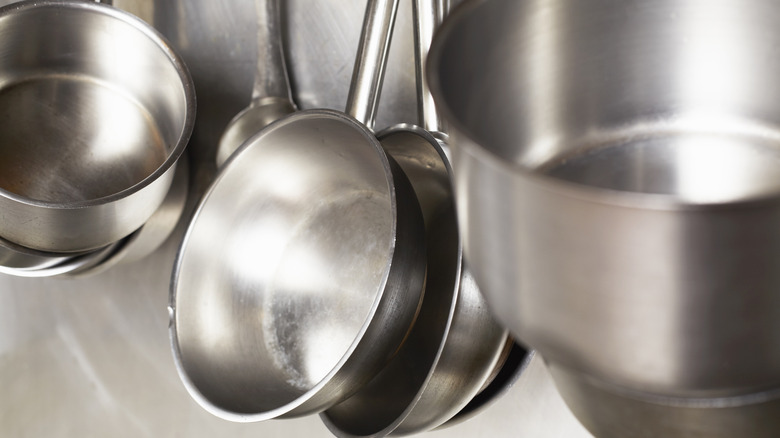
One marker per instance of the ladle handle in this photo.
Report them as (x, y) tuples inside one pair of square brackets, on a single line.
[(427, 15), (371, 59), (271, 80)]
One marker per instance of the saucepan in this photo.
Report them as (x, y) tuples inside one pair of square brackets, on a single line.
[(95, 110), (51, 265), (456, 345), (617, 171), (23, 262), (15, 257), (303, 267), (154, 232)]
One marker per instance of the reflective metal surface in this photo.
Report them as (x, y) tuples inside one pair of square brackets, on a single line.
[(368, 74), (271, 95), (455, 345), (24, 262), (95, 109), (300, 273), (70, 265), (617, 168), (17, 257), (155, 231), (91, 357), (302, 270)]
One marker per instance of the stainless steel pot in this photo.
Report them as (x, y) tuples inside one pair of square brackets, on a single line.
[(155, 231), (23, 262), (617, 168), (68, 265), (302, 269), (95, 109), (15, 257)]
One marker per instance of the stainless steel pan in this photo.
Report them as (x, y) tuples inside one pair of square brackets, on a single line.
[(302, 269), (95, 109)]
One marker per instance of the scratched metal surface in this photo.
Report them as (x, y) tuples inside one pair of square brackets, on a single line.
[(90, 357)]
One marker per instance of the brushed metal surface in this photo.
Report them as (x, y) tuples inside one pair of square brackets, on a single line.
[(91, 356)]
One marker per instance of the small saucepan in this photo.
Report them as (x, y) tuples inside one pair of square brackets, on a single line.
[(95, 110)]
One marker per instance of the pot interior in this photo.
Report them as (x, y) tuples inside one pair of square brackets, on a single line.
[(91, 104), (673, 98)]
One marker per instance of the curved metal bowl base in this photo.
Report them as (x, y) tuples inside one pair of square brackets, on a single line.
[(609, 411)]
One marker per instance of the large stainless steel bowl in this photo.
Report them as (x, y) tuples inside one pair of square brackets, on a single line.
[(95, 109), (617, 167)]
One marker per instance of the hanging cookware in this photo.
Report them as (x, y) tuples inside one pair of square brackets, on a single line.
[(95, 109), (455, 344), (302, 269), (617, 169)]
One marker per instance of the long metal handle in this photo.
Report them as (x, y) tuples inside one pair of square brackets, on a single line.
[(271, 80), (443, 8), (369, 71), (427, 15)]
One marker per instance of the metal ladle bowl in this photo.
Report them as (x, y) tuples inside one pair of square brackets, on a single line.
[(271, 94), (95, 110)]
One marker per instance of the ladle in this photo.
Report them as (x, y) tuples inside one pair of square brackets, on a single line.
[(456, 345), (271, 96), (302, 269)]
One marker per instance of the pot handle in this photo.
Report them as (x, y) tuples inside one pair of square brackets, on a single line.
[(271, 80), (371, 59), (427, 16)]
